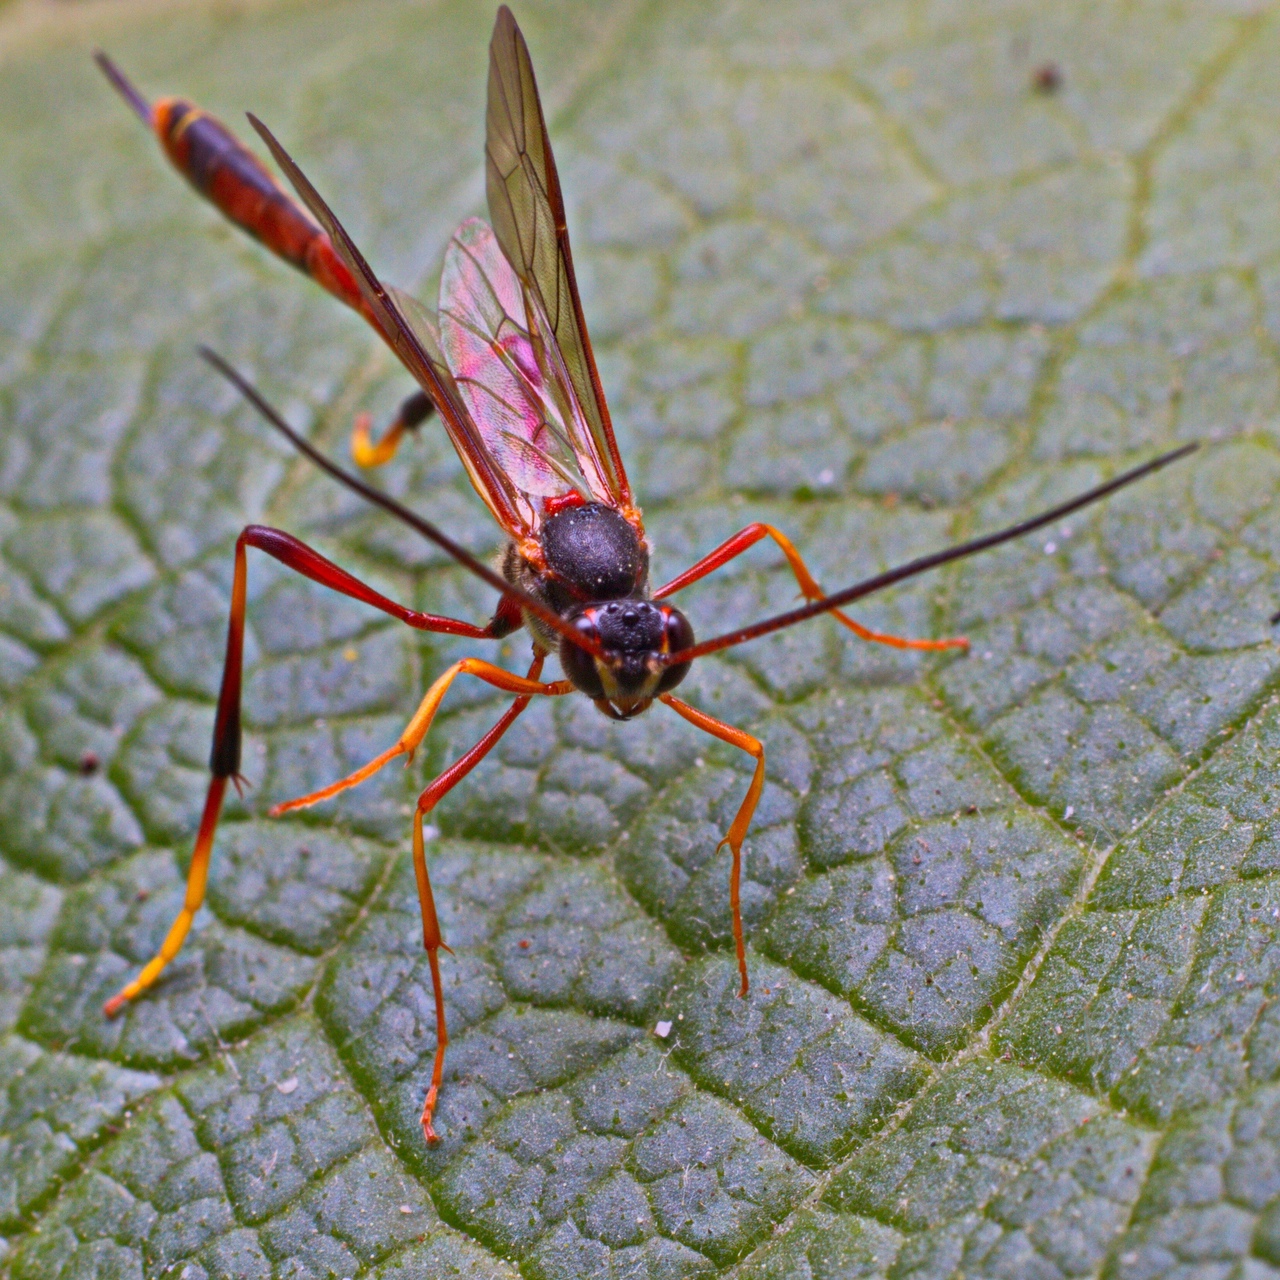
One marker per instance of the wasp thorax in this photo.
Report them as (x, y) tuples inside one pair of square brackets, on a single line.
[(635, 636), (593, 554)]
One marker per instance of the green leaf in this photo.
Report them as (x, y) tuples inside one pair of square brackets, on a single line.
[(861, 272)]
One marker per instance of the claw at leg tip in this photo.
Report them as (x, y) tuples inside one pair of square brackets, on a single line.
[(428, 1110)]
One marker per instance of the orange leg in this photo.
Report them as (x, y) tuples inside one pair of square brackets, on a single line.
[(417, 728), (415, 410), (224, 758), (752, 534), (742, 820), (197, 877), (431, 937)]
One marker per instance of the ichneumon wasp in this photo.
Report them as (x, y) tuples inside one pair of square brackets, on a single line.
[(507, 366)]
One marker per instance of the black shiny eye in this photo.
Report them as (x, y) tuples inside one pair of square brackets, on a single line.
[(679, 632), (578, 665), (679, 636)]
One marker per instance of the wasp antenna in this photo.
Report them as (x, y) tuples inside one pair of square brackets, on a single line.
[(869, 586), (124, 86), (389, 504)]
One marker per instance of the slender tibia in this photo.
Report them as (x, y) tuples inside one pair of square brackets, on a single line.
[(431, 937), (224, 756), (417, 728), (197, 877), (415, 410), (454, 774), (432, 941), (752, 534), (738, 828)]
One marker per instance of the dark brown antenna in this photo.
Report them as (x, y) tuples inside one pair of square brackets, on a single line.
[(868, 586)]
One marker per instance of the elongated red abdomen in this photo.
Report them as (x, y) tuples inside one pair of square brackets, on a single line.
[(231, 177)]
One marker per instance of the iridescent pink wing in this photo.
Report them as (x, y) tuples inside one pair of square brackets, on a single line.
[(426, 328), (527, 211), (510, 376)]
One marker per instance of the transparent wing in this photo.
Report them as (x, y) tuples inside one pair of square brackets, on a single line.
[(527, 210), (509, 376), (473, 444)]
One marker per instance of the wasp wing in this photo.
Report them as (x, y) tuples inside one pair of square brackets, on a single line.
[(408, 329), (527, 210), (425, 327), (493, 336)]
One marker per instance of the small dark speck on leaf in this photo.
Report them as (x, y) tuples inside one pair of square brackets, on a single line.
[(524, 944), (142, 895), (89, 764), (1047, 78)]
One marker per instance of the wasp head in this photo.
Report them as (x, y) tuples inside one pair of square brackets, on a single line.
[(636, 636)]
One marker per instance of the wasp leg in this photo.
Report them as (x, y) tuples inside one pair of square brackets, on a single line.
[(431, 937), (417, 728), (224, 758), (738, 828), (752, 534), (415, 410), (197, 877)]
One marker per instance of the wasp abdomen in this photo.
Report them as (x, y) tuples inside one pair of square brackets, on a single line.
[(233, 179)]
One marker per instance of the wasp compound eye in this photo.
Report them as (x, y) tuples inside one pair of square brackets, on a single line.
[(578, 665), (679, 636)]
